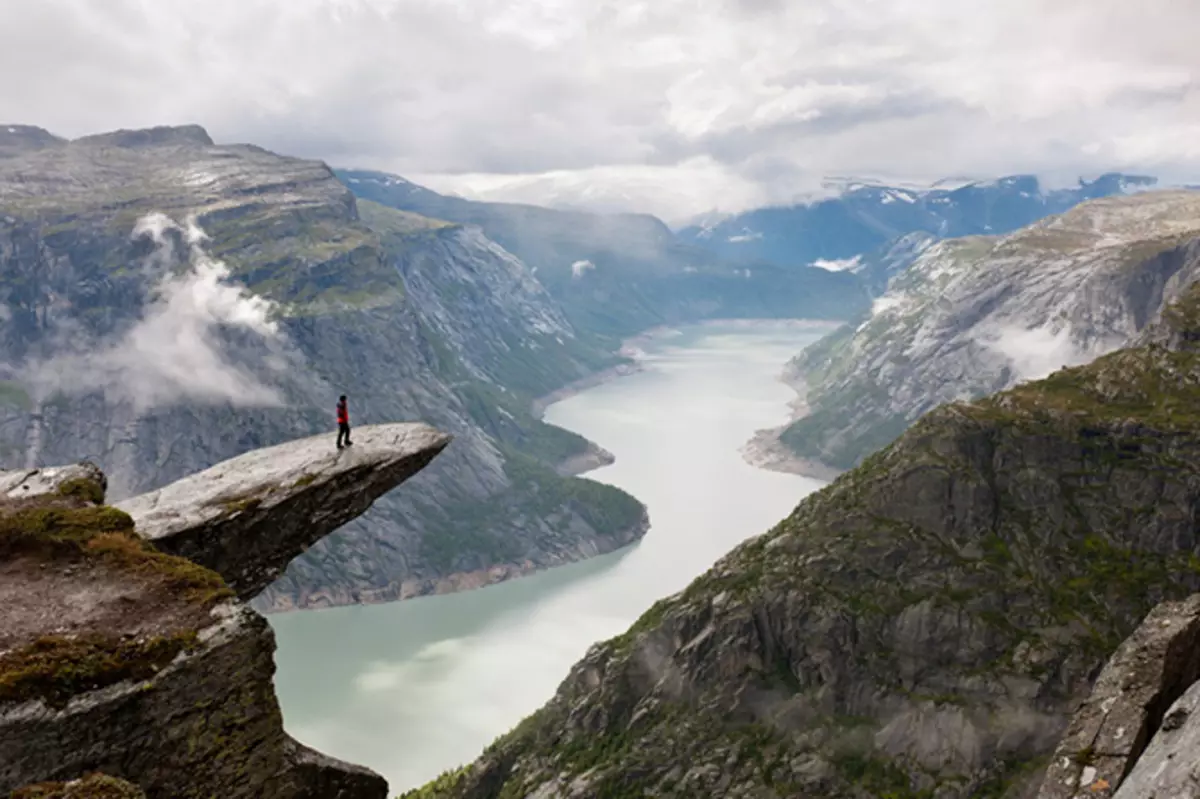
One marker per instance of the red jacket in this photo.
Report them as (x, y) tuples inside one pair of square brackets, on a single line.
[(343, 415)]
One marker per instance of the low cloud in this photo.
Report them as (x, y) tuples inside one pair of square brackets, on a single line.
[(886, 303), (839, 265), (180, 350), (1035, 353)]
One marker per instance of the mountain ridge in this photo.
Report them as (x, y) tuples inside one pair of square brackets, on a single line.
[(865, 217), (975, 315), (314, 300), (617, 275)]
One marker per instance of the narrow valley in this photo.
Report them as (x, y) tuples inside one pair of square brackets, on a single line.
[(416, 687)]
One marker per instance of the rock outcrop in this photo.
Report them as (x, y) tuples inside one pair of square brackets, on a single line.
[(1130, 704), (413, 318), (1170, 766), (117, 657), (30, 483), (977, 315), (247, 518), (924, 626)]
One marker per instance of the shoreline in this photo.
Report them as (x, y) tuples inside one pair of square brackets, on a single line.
[(539, 405), (763, 450), (456, 582), (766, 451)]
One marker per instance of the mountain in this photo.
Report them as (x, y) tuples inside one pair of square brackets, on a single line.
[(866, 217), (169, 303), (975, 315), (878, 267), (923, 626), (620, 274)]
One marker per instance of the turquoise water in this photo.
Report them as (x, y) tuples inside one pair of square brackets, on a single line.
[(413, 688)]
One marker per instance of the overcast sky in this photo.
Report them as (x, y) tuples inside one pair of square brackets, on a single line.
[(669, 106)]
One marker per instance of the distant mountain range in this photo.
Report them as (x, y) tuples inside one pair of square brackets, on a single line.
[(865, 217), (619, 274)]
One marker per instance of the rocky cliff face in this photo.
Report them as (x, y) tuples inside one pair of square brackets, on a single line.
[(143, 353), (976, 315), (924, 626), (1121, 739), (862, 217), (620, 274), (118, 658)]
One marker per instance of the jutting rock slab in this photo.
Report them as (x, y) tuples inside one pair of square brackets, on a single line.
[(247, 517)]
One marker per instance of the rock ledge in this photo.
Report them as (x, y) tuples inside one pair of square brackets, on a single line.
[(247, 517)]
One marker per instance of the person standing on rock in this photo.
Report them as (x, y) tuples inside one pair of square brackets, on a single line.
[(343, 420)]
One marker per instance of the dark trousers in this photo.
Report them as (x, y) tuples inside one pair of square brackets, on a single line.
[(343, 432)]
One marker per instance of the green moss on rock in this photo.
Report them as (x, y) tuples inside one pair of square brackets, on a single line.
[(106, 534), (83, 488), (53, 529), (56, 668), (92, 786)]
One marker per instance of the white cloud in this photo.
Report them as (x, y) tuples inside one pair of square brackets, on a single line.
[(1038, 352), (886, 303), (579, 267), (174, 352), (677, 106), (838, 265)]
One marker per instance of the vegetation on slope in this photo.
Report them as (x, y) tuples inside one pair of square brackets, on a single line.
[(923, 624), (92, 786)]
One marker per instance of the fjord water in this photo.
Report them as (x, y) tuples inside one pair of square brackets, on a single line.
[(416, 687)]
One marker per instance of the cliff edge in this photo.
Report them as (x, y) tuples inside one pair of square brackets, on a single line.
[(247, 517), (118, 656)]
